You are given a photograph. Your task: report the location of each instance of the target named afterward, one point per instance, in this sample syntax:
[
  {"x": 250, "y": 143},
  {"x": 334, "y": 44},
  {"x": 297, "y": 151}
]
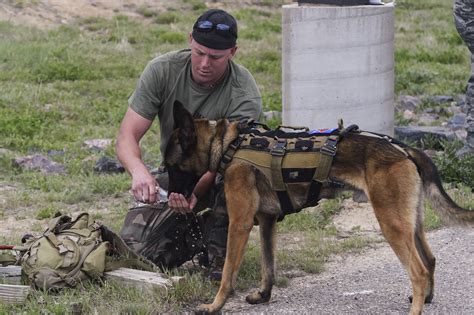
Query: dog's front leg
[{"x": 242, "y": 203}]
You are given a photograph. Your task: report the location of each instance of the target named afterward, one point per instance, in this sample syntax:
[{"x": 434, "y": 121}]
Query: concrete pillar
[{"x": 338, "y": 62}]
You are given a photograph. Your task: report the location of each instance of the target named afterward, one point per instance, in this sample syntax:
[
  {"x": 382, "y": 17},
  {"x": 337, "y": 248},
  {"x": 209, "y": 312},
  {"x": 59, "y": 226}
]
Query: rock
[
  {"x": 461, "y": 134},
  {"x": 39, "y": 162},
  {"x": 98, "y": 144},
  {"x": 408, "y": 114},
  {"x": 438, "y": 99},
  {"x": 454, "y": 109},
  {"x": 458, "y": 121},
  {"x": 428, "y": 119},
  {"x": 417, "y": 133},
  {"x": 108, "y": 165},
  {"x": 409, "y": 102}
]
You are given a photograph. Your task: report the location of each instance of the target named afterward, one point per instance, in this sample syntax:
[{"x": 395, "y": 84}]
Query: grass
[{"x": 62, "y": 86}]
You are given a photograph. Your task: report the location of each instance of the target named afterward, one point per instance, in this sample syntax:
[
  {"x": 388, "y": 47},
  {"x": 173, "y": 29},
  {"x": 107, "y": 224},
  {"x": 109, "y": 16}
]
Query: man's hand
[
  {"x": 177, "y": 202},
  {"x": 144, "y": 187}
]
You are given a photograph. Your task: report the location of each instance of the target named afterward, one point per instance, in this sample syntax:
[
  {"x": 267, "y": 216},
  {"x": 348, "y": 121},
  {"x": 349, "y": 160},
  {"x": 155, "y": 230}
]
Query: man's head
[{"x": 213, "y": 44}]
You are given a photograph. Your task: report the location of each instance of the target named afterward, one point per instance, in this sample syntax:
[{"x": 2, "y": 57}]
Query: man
[
  {"x": 209, "y": 84},
  {"x": 464, "y": 20}
]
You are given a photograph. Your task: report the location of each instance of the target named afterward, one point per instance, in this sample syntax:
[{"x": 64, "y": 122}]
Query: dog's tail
[{"x": 433, "y": 188}]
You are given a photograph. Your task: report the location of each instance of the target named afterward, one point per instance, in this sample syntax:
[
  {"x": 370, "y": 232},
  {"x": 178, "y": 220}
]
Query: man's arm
[{"x": 132, "y": 129}]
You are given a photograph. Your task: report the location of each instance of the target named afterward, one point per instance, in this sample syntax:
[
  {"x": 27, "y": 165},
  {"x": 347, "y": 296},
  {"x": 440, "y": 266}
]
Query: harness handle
[{"x": 293, "y": 128}]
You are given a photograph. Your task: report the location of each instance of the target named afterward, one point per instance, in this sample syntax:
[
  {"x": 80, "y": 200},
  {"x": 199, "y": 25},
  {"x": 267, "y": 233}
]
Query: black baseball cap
[{"x": 216, "y": 29}]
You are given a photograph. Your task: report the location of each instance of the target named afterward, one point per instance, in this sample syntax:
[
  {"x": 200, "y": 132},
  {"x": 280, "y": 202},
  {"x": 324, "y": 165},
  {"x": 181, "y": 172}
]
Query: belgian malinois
[{"x": 394, "y": 181}]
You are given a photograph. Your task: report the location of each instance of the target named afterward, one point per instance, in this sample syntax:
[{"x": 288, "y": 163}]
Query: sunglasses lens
[
  {"x": 222, "y": 27},
  {"x": 207, "y": 25}
]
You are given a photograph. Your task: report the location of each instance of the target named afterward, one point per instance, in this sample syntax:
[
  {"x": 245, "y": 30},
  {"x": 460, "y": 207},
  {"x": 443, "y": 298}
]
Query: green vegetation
[{"x": 62, "y": 86}]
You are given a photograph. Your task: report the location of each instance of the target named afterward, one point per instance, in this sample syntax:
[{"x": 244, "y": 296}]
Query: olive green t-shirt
[{"x": 168, "y": 78}]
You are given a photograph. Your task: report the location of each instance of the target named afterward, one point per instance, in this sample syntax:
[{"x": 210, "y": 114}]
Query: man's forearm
[
  {"x": 204, "y": 184},
  {"x": 129, "y": 155}
]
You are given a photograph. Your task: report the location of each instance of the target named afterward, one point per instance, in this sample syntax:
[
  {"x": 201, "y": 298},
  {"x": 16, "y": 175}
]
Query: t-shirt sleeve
[
  {"x": 245, "y": 108},
  {"x": 146, "y": 99}
]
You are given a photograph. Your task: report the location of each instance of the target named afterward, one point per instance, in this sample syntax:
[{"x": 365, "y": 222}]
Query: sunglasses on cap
[{"x": 207, "y": 26}]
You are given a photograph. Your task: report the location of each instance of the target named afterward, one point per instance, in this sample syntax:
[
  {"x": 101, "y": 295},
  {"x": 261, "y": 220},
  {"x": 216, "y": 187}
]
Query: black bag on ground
[{"x": 163, "y": 236}]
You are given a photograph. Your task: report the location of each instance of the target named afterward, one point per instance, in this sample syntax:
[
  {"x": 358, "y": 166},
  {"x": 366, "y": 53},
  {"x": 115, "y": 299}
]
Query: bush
[{"x": 455, "y": 169}]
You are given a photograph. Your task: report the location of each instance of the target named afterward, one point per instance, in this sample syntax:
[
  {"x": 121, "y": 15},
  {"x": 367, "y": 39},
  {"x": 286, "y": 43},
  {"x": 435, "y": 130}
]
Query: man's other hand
[{"x": 144, "y": 187}]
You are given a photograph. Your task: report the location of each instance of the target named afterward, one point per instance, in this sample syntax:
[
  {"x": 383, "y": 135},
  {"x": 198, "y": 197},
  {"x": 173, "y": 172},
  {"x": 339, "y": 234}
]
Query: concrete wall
[{"x": 338, "y": 62}]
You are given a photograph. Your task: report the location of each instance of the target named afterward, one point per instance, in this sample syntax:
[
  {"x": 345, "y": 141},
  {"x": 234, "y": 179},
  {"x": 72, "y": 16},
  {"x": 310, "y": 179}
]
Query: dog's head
[{"x": 182, "y": 158}]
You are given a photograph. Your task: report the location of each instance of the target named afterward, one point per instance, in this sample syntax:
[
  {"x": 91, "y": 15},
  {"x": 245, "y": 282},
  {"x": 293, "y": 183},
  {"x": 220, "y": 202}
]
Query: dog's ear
[{"x": 184, "y": 121}]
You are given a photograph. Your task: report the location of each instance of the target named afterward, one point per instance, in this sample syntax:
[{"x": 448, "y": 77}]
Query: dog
[{"x": 395, "y": 179}]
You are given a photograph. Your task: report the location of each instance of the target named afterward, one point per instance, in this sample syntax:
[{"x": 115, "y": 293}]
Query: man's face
[{"x": 207, "y": 64}]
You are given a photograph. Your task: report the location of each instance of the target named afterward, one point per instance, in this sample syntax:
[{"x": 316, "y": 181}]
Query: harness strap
[
  {"x": 328, "y": 150},
  {"x": 313, "y": 194},
  {"x": 229, "y": 154},
  {"x": 285, "y": 204},
  {"x": 277, "y": 152}
]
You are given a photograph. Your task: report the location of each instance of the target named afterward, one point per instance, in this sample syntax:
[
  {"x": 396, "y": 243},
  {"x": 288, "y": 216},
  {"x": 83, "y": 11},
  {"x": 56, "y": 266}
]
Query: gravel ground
[{"x": 374, "y": 282}]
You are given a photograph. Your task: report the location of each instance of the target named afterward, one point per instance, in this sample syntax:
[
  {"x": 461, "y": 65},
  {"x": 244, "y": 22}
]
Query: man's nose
[{"x": 205, "y": 61}]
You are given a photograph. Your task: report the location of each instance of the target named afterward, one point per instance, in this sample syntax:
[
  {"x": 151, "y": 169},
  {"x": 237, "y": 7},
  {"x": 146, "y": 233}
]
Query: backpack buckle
[{"x": 279, "y": 147}]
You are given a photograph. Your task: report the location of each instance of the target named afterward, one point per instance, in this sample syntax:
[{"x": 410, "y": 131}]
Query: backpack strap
[
  {"x": 127, "y": 258},
  {"x": 72, "y": 277},
  {"x": 55, "y": 242}
]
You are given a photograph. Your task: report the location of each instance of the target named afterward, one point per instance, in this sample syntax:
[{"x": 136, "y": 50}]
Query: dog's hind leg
[
  {"x": 395, "y": 200},
  {"x": 267, "y": 226},
  {"x": 428, "y": 260},
  {"x": 242, "y": 202},
  {"x": 424, "y": 250}
]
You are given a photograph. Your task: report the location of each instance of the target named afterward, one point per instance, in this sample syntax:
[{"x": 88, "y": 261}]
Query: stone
[
  {"x": 428, "y": 119},
  {"x": 458, "y": 121},
  {"x": 461, "y": 134},
  {"x": 438, "y": 99},
  {"x": 98, "y": 144},
  {"x": 409, "y": 102},
  {"x": 108, "y": 165},
  {"x": 39, "y": 162},
  {"x": 417, "y": 133},
  {"x": 408, "y": 114}
]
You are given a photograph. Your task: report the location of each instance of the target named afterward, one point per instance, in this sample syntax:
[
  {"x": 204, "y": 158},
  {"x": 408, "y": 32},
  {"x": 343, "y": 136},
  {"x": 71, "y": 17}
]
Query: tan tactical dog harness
[{"x": 287, "y": 158}]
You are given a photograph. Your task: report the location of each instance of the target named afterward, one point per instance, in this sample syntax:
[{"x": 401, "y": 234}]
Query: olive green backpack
[{"x": 72, "y": 251}]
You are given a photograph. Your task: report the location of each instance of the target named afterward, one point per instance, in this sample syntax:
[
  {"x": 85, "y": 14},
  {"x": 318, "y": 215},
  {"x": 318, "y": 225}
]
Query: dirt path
[{"x": 375, "y": 283}]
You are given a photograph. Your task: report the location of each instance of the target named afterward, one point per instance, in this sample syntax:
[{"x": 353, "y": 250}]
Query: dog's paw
[
  {"x": 258, "y": 297},
  {"x": 205, "y": 309}
]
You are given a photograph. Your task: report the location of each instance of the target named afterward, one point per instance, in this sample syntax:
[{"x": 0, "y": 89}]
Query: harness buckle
[
  {"x": 329, "y": 147},
  {"x": 226, "y": 158},
  {"x": 279, "y": 147},
  {"x": 236, "y": 143}
]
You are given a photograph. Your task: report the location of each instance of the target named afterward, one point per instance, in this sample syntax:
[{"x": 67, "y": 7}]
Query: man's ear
[{"x": 184, "y": 121}]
